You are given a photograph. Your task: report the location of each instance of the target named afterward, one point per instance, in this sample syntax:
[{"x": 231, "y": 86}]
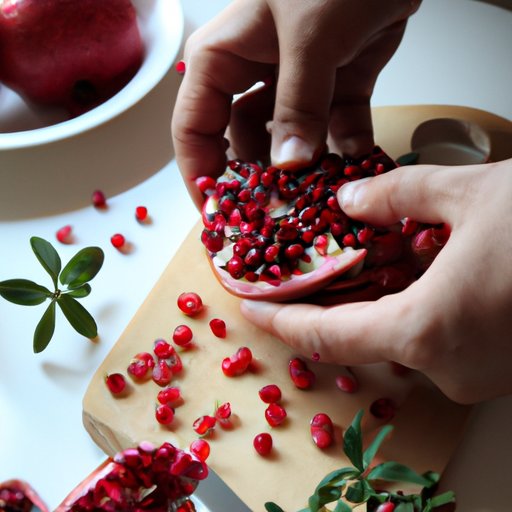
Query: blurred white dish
[{"x": 22, "y": 124}]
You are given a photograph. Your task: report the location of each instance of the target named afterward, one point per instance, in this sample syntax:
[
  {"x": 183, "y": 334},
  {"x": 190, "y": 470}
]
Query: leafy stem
[
  {"x": 351, "y": 486},
  {"x": 69, "y": 283}
]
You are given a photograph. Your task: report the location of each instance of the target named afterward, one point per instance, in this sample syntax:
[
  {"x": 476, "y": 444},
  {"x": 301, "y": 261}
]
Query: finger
[{"x": 425, "y": 193}]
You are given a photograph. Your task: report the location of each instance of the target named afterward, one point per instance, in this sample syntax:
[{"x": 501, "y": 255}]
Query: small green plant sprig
[
  {"x": 74, "y": 277},
  {"x": 351, "y": 486}
]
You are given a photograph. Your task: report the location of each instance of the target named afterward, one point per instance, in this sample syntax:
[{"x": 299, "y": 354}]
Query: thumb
[{"x": 425, "y": 193}]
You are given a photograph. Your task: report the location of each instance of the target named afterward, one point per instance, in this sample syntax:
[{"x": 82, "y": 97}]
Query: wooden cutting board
[{"x": 428, "y": 426}]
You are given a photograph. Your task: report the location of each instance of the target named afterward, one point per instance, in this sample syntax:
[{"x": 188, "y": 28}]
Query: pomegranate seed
[
  {"x": 162, "y": 373},
  {"x": 116, "y": 383},
  {"x": 206, "y": 184},
  {"x": 182, "y": 335},
  {"x": 204, "y": 425},
  {"x": 301, "y": 376},
  {"x": 98, "y": 199},
  {"x": 409, "y": 226},
  {"x": 64, "y": 236},
  {"x": 169, "y": 395},
  {"x": 322, "y": 430},
  {"x": 238, "y": 363},
  {"x": 162, "y": 349},
  {"x": 200, "y": 448},
  {"x": 140, "y": 365},
  {"x": 263, "y": 443},
  {"x": 141, "y": 213},
  {"x": 164, "y": 414},
  {"x": 118, "y": 240},
  {"x": 383, "y": 409},
  {"x": 349, "y": 240},
  {"x": 364, "y": 235},
  {"x": 190, "y": 303},
  {"x": 180, "y": 67},
  {"x": 270, "y": 394},
  {"x": 275, "y": 414},
  {"x": 174, "y": 362},
  {"x": 223, "y": 414},
  {"x": 386, "y": 507},
  {"x": 315, "y": 356},
  {"x": 218, "y": 327},
  {"x": 235, "y": 267},
  {"x": 347, "y": 383}
]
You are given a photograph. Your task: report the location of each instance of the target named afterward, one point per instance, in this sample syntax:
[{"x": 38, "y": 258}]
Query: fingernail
[
  {"x": 293, "y": 150},
  {"x": 351, "y": 194}
]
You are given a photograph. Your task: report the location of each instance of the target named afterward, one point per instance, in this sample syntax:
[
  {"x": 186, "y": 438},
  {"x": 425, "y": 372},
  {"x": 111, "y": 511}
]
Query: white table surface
[{"x": 455, "y": 52}]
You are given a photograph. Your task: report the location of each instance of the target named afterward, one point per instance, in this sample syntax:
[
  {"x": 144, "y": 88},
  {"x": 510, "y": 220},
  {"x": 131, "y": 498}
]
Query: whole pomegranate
[{"x": 68, "y": 53}]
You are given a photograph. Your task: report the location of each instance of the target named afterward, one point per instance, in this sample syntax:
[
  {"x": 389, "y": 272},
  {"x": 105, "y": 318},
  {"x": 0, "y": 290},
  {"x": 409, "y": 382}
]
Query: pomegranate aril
[
  {"x": 301, "y": 376},
  {"x": 116, "y": 383},
  {"x": 162, "y": 349},
  {"x": 162, "y": 373},
  {"x": 386, "y": 507},
  {"x": 383, "y": 409},
  {"x": 98, "y": 199},
  {"x": 206, "y": 184},
  {"x": 238, "y": 363},
  {"x": 204, "y": 425},
  {"x": 140, "y": 365},
  {"x": 164, "y": 414},
  {"x": 223, "y": 413},
  {"x": 180, "y": 67},
  {"x": 64, "y": 235},
  {"x": 200, "y": 448},
  {"x": 169, "y": 395},
  {"x": 182, "y": 335},
  {"x": 236, "y": 267},
  {"x": 270, "y": 393},
  {"x": 141, "y": 213},
  {"x": 190, "y": 303},
  {"x": 275, "y": 414},
  {"x": 118, "y": 240},
  {"x": 322, "y": 430},
  {"x": 263, "y": 443},
  {"x": 218, "y": 327},
  {"x": 347, "y": 383}
]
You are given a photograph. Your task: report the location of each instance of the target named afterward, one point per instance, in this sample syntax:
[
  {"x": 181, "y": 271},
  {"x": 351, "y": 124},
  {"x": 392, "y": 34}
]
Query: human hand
[
  {"x": 326, "y": 54},
  {"x": 455, "y": 323}
]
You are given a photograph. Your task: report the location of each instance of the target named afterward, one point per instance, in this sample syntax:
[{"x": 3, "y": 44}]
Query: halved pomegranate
[
  {"x": 19, "y": 496},
  {"x": 139, "y": 479},
  {"x": 275, "y": 234}
]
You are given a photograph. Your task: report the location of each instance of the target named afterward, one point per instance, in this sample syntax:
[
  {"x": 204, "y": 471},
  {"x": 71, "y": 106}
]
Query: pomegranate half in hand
[
  {"x": 67, "y": 53},
  {"x": 279, "y": 235}
]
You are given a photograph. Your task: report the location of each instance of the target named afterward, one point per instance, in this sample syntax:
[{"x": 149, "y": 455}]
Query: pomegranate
[
  {"x": 138, "y": 479},
  {"x": 18, "y": 496},
  {"x": 73, "y": 55},
  {"x": 278, "y": 235}
]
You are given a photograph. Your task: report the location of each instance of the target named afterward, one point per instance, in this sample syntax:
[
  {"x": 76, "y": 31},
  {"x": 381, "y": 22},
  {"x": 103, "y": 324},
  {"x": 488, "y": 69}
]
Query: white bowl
[{"x": 49, "y": 163}]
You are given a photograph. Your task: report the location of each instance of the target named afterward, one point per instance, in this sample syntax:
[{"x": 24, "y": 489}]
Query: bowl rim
[{"x": 154, "y": 67}]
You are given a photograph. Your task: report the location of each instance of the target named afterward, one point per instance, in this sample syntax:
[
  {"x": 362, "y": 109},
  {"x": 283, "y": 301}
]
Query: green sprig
[
  {"x": 351, "y": 486},
  {"x": 69, "y": 283}
]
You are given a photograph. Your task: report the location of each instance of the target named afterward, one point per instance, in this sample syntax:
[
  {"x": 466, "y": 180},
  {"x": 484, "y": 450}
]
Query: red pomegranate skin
[{"x": 66, "y": 53}]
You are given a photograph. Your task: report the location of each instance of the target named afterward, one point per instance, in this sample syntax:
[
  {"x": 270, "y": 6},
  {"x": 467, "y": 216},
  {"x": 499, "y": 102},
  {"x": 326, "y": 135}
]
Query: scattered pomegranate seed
[
  {"x": 315, "y": 356},
  {"x": 218, "y": 327},
  {"x": 118, "y": 240},
  {"x": 386, "y": 507},
  {"x": 180, "y": 67},
  {"x": 301, "y": 376},
  {"x": 98, "y": 199},
  {"x": 162, "y": 349},
  {"x": 322, "y": 430},
  {"x": 347, "y": 383},
  {"x": 190, "y": 303},
  {"x": 162, "y": 373},
  {"x": 383, "y": 409},
  {"x": 116, "y": 383},
  {"x": 263, "y": 443},
  {"x": 275, "y": 415},
  {"x": 270, "y": 394},
  {"x": 204, "y": 425},
  {"x": 141, "y": 213},
  {"x": 182, "y": 335},
  {"x": 164, "y": 414},
  {"x": 169, "y": 395},
  {"x": 64, "y": 236},
  {"x": 238, "y": 363},
  {"x": 140, "y": 365},
  {"x": 200, "y": 448},
  {"x": 223, "y": 413}
]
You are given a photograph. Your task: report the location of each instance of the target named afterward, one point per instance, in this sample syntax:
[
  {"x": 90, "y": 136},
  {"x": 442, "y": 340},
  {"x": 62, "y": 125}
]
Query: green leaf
[
  {"x": 45, "y": 329},
  {"x": 404, "y": 507},
  {"x": 353, "y": 442},
  {"x": 80, "y": 292},
  {"x": 328, "y": 495},
  {"x": 442, "y": 499},
  {"x": 359, "y": 492},
  {"x": 80, "y": 319},
  {"x": 338, "y": 476},
  {"x": 396, "y": 472},
  {"x": 370, "y": 452},
  {"x": 272, "y": 507},
  {"x": 82, "y": 267},
  {"x": 341, "y": 506},
  {"x": 24, "y": 292},
  {"x": 47, "y": 256}
]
